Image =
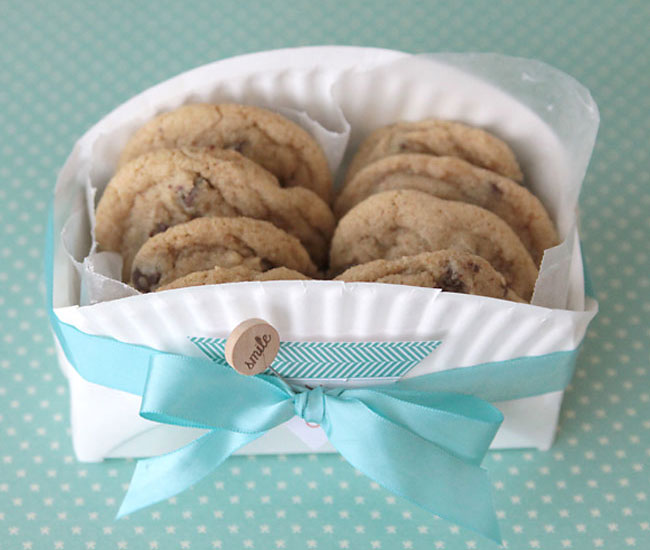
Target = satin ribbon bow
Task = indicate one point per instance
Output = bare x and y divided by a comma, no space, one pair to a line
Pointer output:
422,438
414,437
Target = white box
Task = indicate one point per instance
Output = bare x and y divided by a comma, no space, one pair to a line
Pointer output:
339,94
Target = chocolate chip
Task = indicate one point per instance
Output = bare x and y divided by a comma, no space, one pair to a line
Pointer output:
189,198
496,189
144,282
237,146
159,228
451,282
410,146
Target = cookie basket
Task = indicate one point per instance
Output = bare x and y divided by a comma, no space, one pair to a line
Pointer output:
339,95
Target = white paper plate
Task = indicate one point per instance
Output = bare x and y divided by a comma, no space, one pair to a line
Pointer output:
339,94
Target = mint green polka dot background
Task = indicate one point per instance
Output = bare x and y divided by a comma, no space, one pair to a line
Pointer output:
64,64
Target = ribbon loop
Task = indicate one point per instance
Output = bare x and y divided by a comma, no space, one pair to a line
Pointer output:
310,405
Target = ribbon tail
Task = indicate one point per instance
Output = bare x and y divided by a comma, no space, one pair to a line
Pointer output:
413,467
161,477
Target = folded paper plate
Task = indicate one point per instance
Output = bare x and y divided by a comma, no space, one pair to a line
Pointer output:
339,95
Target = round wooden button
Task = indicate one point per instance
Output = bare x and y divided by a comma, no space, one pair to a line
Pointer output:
252,347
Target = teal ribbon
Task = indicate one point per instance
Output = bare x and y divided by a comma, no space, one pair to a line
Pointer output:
422,438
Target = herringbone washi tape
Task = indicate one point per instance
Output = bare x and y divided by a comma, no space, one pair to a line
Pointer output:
336,359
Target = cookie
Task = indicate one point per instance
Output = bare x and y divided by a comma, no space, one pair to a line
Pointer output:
219,275
204,243
393,224
452,178
449,270
439,138
163,188
271,140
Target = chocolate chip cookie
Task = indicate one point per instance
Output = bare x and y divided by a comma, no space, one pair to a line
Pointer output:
163,188
440,138
452,178
204,243
274,142
393,224
450,270
219,275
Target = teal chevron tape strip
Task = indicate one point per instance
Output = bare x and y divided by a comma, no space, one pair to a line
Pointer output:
333,360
